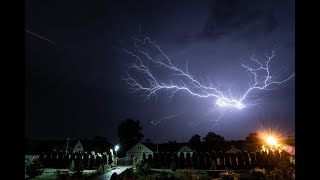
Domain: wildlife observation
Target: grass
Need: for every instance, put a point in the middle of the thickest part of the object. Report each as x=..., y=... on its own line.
x=201, y=174
x=51, y=173
x=167, y=173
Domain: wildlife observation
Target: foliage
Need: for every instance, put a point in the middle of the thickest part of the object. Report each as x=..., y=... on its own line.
x=62, y=175
x=214, y=141
x=102, y=169
x=172, y=142
x=195, y=141
x=173, y=167
x=252, y=143
x=129, y=132
x=258, y=172
x=148, y=141
x=164, y=175
x=229, y=175
x=142, y=167
x=27, y=162
x=143, y=156
x=189, y=174
x=71, y=166
x=100, y=144
x=283, y=171
x=128, y=174
x=212, y=137
x=78, y=173
x=33, y=168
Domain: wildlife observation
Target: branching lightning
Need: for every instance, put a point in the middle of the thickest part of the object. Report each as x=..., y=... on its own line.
x=155, y=122
x=182, y=81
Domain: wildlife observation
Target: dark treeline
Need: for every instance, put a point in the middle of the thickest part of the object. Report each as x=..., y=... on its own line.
x=96, y=144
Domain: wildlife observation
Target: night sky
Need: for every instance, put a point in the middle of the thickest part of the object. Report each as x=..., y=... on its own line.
x=74, y=85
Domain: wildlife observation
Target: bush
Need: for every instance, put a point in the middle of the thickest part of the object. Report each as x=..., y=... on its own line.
x=258, y=172
x=61, y=175
x=78, y=173
x=189, y=174
x=101, y=169
x=71, y=166
x=173, y=167
x=284, y=170
x=34, y=168
x=142, y=167
x=229, y=175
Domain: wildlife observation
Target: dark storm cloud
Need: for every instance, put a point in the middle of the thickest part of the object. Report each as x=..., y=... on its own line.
x=74, y=88
x=234, y=16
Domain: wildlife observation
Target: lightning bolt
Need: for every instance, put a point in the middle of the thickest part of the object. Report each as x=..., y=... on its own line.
x=148, y=64
x=155, y=122
x=41, y=37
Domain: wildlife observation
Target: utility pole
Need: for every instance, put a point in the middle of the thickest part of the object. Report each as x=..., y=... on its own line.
x=67, y=146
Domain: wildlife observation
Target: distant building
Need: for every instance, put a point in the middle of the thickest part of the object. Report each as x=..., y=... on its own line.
x=150, y=148
x=78, y=147
x=31, y=157
x=184, y=150
x=138, y=150
x=36, y=147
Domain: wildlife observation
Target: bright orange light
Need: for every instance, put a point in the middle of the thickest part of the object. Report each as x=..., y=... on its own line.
x=272, y=141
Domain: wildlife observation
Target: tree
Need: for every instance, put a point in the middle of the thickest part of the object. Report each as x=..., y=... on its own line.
x=214, y=141
x=148, y=141
x=195, y=141
x=100, y=144
x=212, y=137
x=129, y=133
x=252, y=142
x=253, y=137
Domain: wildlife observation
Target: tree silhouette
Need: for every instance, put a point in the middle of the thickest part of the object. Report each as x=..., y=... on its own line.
x=252, y=142
x=214, y=141
x=100, y=144
x=195, y=142
x=129, y=133
x=148, y=141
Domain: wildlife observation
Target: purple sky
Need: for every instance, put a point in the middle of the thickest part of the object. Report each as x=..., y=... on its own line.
x=74, y=87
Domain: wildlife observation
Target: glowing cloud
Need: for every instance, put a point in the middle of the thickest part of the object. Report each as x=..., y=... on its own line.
x=149, y=59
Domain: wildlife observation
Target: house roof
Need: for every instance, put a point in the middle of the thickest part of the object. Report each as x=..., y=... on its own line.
x=167, y=147
x=185, y=149
x=135, y=149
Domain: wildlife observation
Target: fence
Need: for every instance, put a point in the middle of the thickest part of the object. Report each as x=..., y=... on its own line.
x=83, y=161
x=213, y=160
x=125, y=161
x=217, y=160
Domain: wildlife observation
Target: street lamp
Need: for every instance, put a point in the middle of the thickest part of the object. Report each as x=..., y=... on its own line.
x=116, y=148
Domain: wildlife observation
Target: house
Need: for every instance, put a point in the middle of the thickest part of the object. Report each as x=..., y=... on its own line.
x=184, y=150
x=30, y=157
x=98, y=145
x=150, y=148
x=78, y=147
x=138, y=150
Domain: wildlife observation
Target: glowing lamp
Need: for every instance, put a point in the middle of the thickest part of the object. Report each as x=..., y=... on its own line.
x=272, y=141
x=116, y=148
